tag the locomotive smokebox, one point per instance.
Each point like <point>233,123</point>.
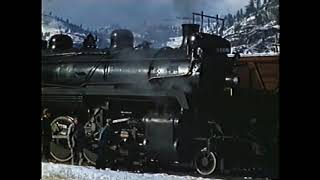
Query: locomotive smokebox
<point>121,38</point>
<point>187,31</point>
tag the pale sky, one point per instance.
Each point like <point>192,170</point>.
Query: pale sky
<point>98,13</point>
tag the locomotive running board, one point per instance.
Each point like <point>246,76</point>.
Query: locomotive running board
<point>178,95</point>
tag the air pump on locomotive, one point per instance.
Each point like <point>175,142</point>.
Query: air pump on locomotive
<point>164,105</point>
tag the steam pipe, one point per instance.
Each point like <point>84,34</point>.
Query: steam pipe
<point>201,21</point>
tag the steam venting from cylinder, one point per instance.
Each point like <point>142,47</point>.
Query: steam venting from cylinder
<point>187,31</point>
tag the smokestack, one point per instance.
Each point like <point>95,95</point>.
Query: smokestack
<point>187,31</point>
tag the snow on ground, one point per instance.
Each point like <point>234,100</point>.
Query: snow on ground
<point>260,54</point>
<point>256,54</point>
<point>51,171</point>
<point>174,42</point>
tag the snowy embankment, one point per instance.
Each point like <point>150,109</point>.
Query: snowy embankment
<point>52,171</point>
<point>256,54</point>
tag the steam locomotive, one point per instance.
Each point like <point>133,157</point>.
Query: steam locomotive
<point>176,106</point>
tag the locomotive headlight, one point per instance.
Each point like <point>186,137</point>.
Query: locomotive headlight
<point>192,38</point>
<point>192,42</point>
<point>199,52</point>
<point>235,80</point>
<point>53,46</point>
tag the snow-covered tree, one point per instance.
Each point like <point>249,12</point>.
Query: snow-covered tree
<point>229,20</point>
<point>237,27</point>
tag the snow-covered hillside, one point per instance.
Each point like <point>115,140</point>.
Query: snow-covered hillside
<point>174,42</point>
<point>248,38</point>
<point>52,25</point>
<point>254,33</point>
<point>257,32</point>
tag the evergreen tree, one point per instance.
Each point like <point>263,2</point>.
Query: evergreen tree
<point>237,27</point>
<point>265,1</point>
<point>241,13</point>
<point>274,1</point>
<point>258,4</point>
<point>259,20</point>
<point>274,13</point>
<point>238,15</point>
<point>265,17</point>
<point>226,21</point>
<point>229,20</point>
<point>250,8</point>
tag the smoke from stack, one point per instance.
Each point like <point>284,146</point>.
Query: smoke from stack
<point>185,8</point>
